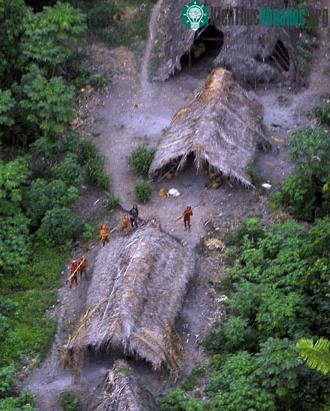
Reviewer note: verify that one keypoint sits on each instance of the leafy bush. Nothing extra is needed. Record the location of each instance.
(112, 202)
(88, 233)
(69, 171)
(50, 35)
(142, 191)
(323, 113)
(250, 228)
(25, 402)
(15, 244)
(57, 226)
(94, 163)
(140, 160)
(69, 401)
(46, 104)
(7, 379)
(305, 192)
(43, 195)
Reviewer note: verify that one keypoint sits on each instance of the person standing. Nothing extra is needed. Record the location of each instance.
(187, 214)
(134, 215)
(104, 235)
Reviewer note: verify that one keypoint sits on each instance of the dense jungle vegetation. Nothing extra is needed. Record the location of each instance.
(277, 283)
(278, 278)
(42, 167)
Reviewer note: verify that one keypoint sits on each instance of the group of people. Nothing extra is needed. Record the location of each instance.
(78, 267)
(130, 221)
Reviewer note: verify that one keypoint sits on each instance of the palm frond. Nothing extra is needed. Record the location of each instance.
(316, 356)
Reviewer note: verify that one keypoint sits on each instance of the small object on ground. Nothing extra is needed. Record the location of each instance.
(187, 214)
(104, 234)
(125, 224)
(266, 186)
(173, 192)
(162, 193)
(134, 214)
(278, 139)
(83, 267)
(169, 175)
(214, 244)
(215, 184)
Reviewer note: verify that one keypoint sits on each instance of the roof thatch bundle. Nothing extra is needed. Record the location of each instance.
(135, 295)
(222, 126)
(249, 51)
(123, 392)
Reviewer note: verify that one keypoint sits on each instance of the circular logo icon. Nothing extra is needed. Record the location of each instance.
(195, 15)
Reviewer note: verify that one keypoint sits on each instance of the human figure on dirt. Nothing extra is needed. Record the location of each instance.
(134, 215)
(125, 224)
(73, 274)
(83, 267)
(104, 235)
(187, 214)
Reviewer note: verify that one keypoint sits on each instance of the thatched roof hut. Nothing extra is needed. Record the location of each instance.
(222, 126)
(135, 295)
(253, 53)
(123, 392)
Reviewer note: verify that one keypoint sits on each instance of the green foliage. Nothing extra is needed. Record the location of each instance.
(13, 175)
(176, 400)
(89, 232)
(7, 104)
(304, 193)
(69, 171)
(57, 226)
(42, 195)
(250, 229)
(278, 293)
(94, 163)
(192, 380)
(317, 356)
(322, 113)
(46, 104)
(50, 151)
(12, 14)
(112, 202)
(129, 31)
(253, 174)
(14, 241)
(50, 36)
(230, 336)
(25, 402)
(142, 191)
(69, 401)
(236, 386)
(140, 160)
(101, 81)
(7, 378)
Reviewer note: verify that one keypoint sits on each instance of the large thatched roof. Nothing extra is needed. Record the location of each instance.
(248, 51)
(221, 126)
(123, 392)
(135, 295)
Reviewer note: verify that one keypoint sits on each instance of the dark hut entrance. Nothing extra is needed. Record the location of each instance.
(280, 57)
(205, 48)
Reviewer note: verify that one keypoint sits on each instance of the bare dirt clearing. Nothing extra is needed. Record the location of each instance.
(135, 112)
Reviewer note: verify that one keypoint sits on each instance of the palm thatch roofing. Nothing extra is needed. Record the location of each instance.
(249, 51)
(136, 292)
(123, 392)
(222, 126)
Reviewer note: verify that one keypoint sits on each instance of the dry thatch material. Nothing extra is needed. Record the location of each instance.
(248, 50)
(122, 392)
(135, 295)
(221, 126)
